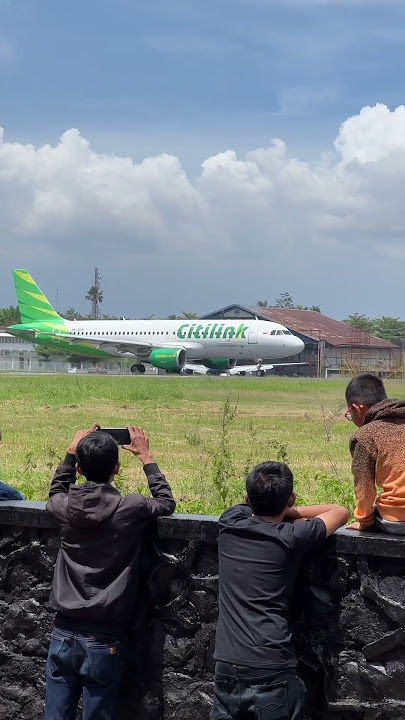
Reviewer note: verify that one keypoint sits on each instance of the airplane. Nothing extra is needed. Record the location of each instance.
(211, 346)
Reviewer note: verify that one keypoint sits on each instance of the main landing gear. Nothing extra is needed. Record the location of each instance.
(138, 368)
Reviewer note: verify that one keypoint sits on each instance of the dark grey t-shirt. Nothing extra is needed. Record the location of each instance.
(258, 563)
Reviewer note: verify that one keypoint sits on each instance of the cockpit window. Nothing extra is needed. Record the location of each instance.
(287, 332)
(279, 332)
(273, 332)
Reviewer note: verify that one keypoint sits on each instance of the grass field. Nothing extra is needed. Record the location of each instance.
(205, 432)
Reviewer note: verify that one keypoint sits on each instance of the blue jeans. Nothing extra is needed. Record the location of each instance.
(245, 693)
(88, 665)
(9, 493)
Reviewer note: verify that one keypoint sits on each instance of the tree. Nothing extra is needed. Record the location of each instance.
(361, 322)
(184, 316)
(189, 316)
(388, 328)
(261, 303)
(315, 308)
(72, 314)
(95, 295)
(10, 316)
(285, 301)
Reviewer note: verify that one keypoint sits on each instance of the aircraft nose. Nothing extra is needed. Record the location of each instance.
(299, 345)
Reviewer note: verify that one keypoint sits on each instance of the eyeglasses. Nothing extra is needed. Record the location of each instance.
(348, 414)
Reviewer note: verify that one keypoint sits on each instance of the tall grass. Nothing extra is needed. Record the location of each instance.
(206, 433)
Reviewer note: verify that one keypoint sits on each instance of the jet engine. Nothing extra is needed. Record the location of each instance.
(220, 364)
(168, 358)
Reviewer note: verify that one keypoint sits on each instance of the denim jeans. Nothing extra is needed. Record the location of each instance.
(245, 693)
(82, 664)
(9, 493)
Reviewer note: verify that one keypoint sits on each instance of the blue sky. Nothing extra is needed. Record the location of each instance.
(194, 79)
(187, 77)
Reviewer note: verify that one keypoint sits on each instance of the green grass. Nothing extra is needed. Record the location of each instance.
(206, 433)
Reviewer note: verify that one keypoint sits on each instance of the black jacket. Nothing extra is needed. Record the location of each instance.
(95, 581)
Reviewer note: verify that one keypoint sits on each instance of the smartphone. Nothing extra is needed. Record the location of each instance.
(120, 435)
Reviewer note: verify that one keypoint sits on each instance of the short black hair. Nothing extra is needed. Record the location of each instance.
(366, 390)
(269, 487)
(97, 456)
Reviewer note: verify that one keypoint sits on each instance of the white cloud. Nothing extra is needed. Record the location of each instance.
(268, 200)
(372, 135)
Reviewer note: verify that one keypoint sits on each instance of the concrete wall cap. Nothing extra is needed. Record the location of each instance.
(205, 528)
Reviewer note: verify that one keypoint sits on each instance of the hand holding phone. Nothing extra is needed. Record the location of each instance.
(120, 435)
(139, 445)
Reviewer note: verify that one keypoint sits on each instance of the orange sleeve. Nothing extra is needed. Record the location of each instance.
(363, 469)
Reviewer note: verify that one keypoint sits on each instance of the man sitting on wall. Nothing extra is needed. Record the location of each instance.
(7, 492)
(260, 548)
(95, 581)
(378, 455)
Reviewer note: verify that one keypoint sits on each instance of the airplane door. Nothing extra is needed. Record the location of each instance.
(252, 335)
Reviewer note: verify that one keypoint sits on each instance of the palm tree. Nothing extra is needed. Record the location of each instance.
(262, 303)
(95, 295)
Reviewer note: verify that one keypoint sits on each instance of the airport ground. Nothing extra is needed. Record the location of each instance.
(205, 432)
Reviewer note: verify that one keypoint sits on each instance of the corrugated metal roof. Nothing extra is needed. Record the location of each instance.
(319, 327)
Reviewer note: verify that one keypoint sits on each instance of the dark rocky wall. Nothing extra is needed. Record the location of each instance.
(349, 619)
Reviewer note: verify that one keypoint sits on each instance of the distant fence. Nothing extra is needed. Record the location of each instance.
(37, 365)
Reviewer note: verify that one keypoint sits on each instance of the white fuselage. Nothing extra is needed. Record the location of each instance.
(202, 339)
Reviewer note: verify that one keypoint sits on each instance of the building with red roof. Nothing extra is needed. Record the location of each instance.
(334, 346)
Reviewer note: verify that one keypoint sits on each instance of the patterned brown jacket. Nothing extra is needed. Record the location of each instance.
(378, 459)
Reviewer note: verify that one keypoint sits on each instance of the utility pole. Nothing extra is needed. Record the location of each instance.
(95, 295)
(97, 278)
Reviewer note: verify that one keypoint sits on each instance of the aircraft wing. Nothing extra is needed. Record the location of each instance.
(117, 347)
(195, 368)
(265, 366)
(248, 368)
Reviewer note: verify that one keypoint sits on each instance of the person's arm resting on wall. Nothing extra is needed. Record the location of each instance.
(333, 516)
(162, 501)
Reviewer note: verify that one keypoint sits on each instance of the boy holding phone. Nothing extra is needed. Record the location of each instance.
(95, 580)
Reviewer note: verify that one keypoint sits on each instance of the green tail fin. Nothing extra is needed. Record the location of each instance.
(34, 307)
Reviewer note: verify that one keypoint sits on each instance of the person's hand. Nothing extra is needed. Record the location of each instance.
(139, 445)
(79, 435)
(353, 526)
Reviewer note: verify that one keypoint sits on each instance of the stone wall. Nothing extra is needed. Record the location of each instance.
(349, 620)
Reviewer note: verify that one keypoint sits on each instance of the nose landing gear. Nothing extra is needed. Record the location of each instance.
(259, 371)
